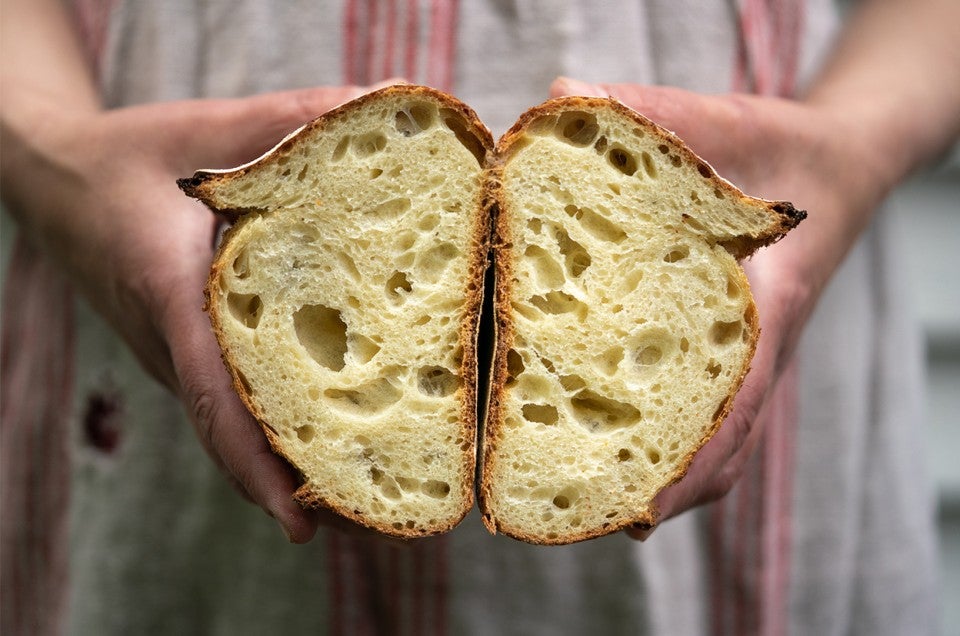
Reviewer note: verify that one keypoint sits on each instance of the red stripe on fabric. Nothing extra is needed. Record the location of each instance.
(718, 571)
(450, 42)
(440, 63)
(390, 41)
(778, 532)
(349, 42)
(373, 40)
(743, 539)
(412, 44)
(36, 385)
(92, 18)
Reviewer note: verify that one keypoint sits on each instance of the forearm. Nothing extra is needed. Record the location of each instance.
(46, 93)
(893, 80)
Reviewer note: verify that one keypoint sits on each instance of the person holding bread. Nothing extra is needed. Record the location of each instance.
(806, 511)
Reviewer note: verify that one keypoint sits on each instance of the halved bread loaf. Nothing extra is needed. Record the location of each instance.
(625, 324)
(346, 301)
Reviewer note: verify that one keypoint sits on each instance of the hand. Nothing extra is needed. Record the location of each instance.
(775, 149)
(97, 190)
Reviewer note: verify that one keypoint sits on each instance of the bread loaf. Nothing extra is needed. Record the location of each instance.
(625, 324)
(347, 299)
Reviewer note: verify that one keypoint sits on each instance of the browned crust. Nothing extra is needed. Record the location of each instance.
(784, 216)
(203, 186)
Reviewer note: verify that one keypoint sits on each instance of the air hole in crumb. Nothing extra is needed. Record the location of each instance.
(362, 348)
(624, 455)
(601, 145)
(548, 272)
(369, 143)
(466, 137)
(725, 333)
(388, 210)
(436, 381)
(368, 398)
(428, 222)
(663, 148)
(596, 224)
(514, 366)
(561, 501)
(342, 146)
(414, 119)
(398, 284)
(540, 413)
(306, 433)
(435, 488)
(302, 175)
(241, 265)
(572, 382)
(733, 288)
(677, 254)
(599, 414)
(375, 173)
(558, 302)
(348, 265)
(246, 308)
(577, 128)
(692, 223)
(432, 263)
(622, 160)
(684, 345)
(704, 170)
(720, 410)
(323, 334)
(576, 257)
(649, 165)
(675, 160)
(649, 355)
(713, 369)
(609, 361)
(653, 455)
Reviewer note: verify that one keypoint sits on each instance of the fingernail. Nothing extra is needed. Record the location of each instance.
(572, 86)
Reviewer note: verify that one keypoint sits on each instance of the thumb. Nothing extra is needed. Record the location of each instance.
(235, 131)
(683, 112)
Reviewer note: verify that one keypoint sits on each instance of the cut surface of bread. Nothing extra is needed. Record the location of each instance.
(346, 299)
(625, 323)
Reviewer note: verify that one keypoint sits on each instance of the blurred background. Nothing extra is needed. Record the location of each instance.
(927, 212)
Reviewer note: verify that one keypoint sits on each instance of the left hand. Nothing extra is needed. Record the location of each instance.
(775, 149)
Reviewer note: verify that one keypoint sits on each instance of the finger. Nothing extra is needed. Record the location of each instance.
(229, 433)
(235, 131)
(707, 123)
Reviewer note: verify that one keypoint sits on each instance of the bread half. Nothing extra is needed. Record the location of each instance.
(346, 299)
(625, 324)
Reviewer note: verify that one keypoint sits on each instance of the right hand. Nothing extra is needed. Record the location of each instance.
(97, 191)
